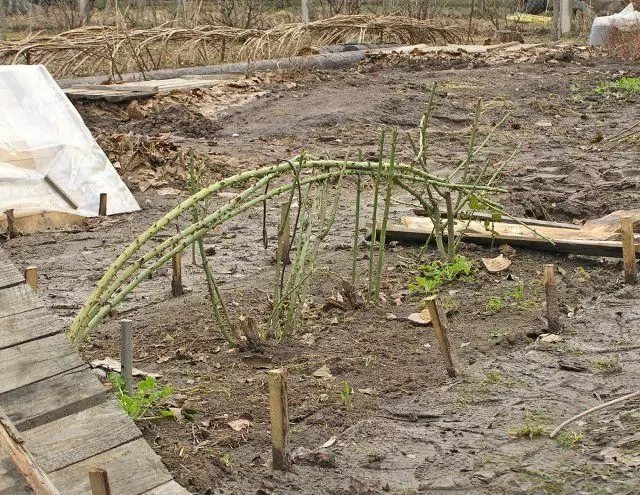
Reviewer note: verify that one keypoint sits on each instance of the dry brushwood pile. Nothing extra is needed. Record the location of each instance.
(116, 50)
(460, 56)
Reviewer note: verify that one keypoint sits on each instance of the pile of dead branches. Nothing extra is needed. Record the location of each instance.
(288, 39)
(115, 50)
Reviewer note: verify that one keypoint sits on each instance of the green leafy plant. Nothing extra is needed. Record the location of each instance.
(346, 392)
(607, 365)
(494, 304)
(620, 88)
(145, 400)
(532, 427)
(569, 438)
(436, 273)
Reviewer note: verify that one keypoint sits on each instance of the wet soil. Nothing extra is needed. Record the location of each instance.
(407, 428)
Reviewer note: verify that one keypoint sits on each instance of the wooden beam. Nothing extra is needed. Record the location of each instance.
(18, 299)
(26, 326)
(611, 249)
(102, 207)
(551, 292)
(126, 354)
(13, 444)
(11, 223)
(31, 277)
(9, 274)
(628, 251)
(279, 411)
(176, 275)
(479, 215)
(99, 481)
(440, 326)
(60, 192)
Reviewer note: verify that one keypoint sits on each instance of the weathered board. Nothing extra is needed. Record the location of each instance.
(9, 274)
(26, 326)
(171, 488)
(80, 436)
(133, 469)
(53, 398)
(18, 299)
(37, 360)
(11, 481)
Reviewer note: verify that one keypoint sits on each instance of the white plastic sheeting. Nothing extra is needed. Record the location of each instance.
(628, 17)
(49, 162)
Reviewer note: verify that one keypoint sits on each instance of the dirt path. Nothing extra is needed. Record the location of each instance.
(407, 428)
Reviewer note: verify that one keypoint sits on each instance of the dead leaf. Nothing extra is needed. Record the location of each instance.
(111, 364)
(423, 318)
(368, 391)
(497, 264)
(239, 424)
(323, 372)
(329, 442)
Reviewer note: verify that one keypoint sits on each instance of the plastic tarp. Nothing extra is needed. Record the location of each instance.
(601, 26)
(49, 162)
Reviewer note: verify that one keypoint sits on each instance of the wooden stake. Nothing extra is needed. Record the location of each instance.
(628, 251)
(13, 444)
(279, 408)
(99, 482)
(551, 291)
(31, 277)
(102, 209)
(176, 279)
(440, 325)
(126, 354)
(11, 223)
(285, 226)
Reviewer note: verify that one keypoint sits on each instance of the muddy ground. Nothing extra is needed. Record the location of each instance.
(407, 428)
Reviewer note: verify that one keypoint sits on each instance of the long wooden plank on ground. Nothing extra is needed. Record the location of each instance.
(34, 361)
(611, 249)
(9, 274)
(80, 436)
(23, 327)
(53, 398)
(133, 468)
(18, 299)
(479, 215)
(171, 488)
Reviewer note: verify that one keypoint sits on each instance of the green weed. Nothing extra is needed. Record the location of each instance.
(494, 304)
(436, 273)
(532, 427)
(607, 365)
(569, 438)
(346, 392)
(620, 89)
(145, 400)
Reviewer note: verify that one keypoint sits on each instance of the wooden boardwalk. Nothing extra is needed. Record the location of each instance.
(60, 406)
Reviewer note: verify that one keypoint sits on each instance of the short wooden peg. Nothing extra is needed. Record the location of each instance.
(628, 251)
(126, 354)
(440, 325)
(176, 279)
(102, 210)
(279, 409)
(31, 277)
(551, 292)
(99, 482)
(11, 223)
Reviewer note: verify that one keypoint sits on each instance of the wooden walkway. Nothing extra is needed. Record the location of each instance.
(60, 406)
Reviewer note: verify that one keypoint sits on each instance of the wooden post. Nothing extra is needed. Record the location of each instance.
(102, 209)
(99, 482)
(31, 277)
(628, 251)
(566, 12)
(11, 223)
(176, 277)
(555, 20)
(13, 444)
(551, 291)
(126, 354)
(304, 8)
(279, 408)
(440, 324)
(285, 226)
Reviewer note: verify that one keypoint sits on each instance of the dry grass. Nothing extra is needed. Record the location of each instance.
(115, 50)
(624, 43)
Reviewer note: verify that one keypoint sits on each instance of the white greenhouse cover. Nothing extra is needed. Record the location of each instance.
(49, 161)
(627, 18)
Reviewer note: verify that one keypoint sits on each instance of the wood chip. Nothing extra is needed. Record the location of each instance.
(497, 264)
(422, 319)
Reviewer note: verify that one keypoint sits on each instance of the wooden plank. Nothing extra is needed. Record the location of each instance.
(27, 326)
(43, 402)
(28, 363)
(11, 481)
(171, 488)
(479, 215)
(18, 299)
(80, 436)
(134, 468)
(611, 249)
(9, 274)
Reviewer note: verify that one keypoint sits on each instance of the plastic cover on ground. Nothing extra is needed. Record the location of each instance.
(628, 17)
(49, 161)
